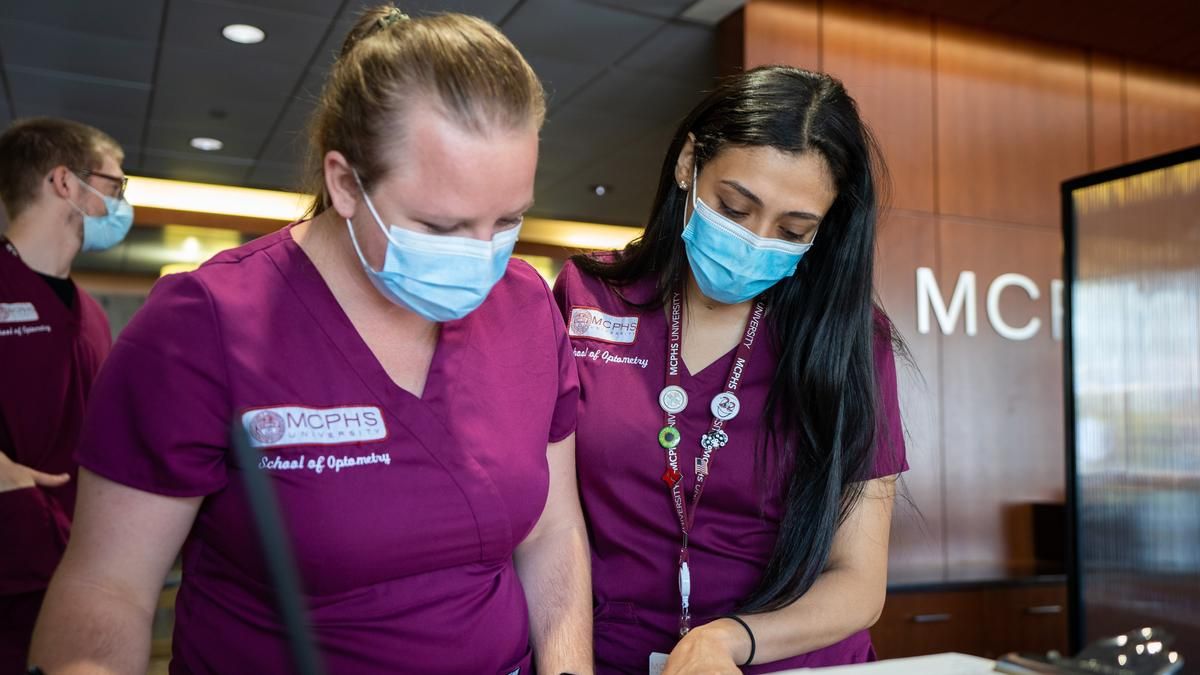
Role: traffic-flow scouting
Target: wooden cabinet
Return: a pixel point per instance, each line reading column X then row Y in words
column 982, row 621
column 1031, row 619
column 929, row 623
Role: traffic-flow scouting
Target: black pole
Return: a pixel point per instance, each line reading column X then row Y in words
column 281, row 564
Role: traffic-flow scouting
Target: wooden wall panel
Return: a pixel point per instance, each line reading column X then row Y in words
column 1011, row 125
column 1002, row 410
column 885, row 59
column 782, row 32
column 1106, row 85
column 906, row 242
column 1162, row 109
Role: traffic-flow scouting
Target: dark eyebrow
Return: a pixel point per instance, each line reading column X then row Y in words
column 745, row 193
column 803, row 215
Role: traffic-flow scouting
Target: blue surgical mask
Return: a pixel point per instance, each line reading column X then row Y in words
column 730, row 263
column 439, row 277
column 101, row 233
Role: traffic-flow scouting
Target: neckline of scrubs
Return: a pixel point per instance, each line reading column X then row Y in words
column 46, row 300
column 703, row 378
column 321, row 302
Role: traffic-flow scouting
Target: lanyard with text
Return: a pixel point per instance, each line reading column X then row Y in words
column 724, row 407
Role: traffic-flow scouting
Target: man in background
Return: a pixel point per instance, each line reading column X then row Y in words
column 63, row 192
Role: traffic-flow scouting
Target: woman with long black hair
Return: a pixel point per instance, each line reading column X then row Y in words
column 739, row 434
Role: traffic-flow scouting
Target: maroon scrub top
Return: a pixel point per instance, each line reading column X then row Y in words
column 404, row 512
column 634, row 531
column 49, row 356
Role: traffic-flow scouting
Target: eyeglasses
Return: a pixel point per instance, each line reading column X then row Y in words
column 122, row 181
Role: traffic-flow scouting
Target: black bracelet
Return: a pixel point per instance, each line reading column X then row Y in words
column 734, row 617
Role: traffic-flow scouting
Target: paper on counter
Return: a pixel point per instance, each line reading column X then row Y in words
column 934, row 664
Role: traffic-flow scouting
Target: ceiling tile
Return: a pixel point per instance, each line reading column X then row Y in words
column 681, row 52
column 184, row 166
column 238, row 141
column 50, row 90
column 576, row 127
column 193, row 83
column 276, row 176
column 639, row 96
column 321, row 9
column 134, row 20
column 116, row 110
column 627, row 204
column 630, row 172
column 556, row 162
column 194, row 27
column 661, row 8
column 710, row 12
column 562, row 79
column 492, row 10
column 572, row 30
column 77, row 52
column 289, row 141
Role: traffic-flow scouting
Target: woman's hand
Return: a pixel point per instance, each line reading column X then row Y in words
column 712, row 649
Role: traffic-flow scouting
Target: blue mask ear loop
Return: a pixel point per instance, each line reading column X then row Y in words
column 371, row 207
column 691, row 193
column 79, row 208
column 378, row 221
column 695, row 179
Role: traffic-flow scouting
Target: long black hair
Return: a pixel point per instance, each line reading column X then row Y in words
column 818, row 434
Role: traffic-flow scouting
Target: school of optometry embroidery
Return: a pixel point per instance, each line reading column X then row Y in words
column 725, row 406
column 608, row 357
column 282, row 426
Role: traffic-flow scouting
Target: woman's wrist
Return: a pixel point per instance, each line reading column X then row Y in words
column 733, row 637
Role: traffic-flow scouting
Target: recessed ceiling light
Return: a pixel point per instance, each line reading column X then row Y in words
column 243, row 34
column 207, row 144
column 600, row 190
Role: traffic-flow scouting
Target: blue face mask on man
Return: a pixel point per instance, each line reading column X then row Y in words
column 101, row 233
column 730, row 263
column 439, row 277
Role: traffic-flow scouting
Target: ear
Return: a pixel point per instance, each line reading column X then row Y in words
column 61, row 180
column 340, row 185
column 683, row 165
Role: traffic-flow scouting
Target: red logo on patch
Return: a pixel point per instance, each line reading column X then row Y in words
column 580, row 321
column 267, row 427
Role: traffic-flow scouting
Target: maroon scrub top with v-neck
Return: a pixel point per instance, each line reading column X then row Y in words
column 404, row 512
column 621, row 354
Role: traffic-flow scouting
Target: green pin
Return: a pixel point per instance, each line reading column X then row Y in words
column 669, row 437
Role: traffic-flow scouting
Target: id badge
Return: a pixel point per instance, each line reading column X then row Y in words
column 658, row 663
